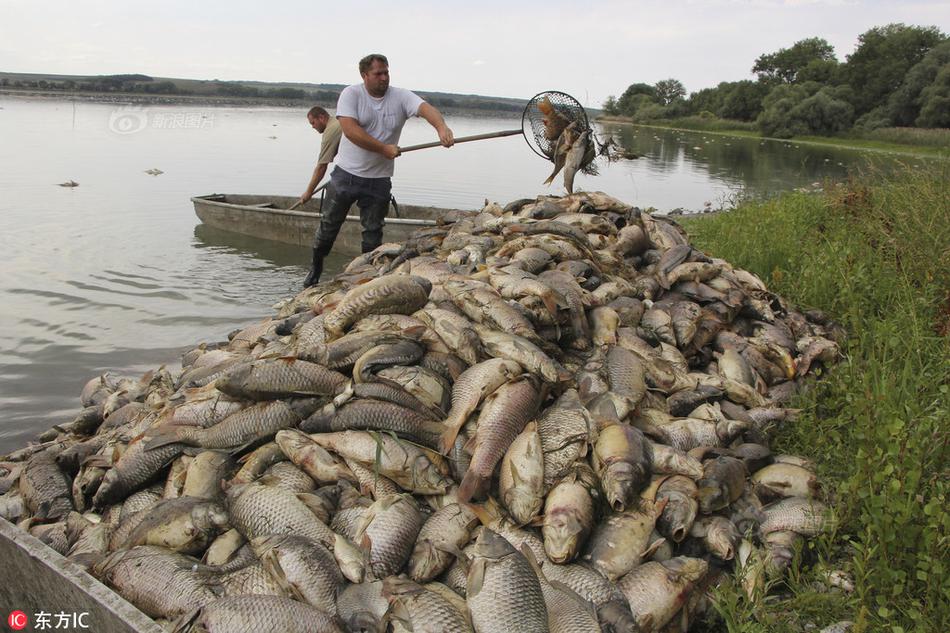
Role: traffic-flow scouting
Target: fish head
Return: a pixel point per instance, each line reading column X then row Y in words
column 365, row 622
column 622, row 480
column 235, row 378
column 430, row 474
column 686, row 568
column 677, row 518
column 424, row 561
column 712, row 498
column 562, row 535
column 615, row 617
column 492, row 545
column 522, row 503
column 292, row 441
column 212, row 517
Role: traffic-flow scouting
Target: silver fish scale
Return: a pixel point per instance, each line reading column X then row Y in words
column 371, row 482
column 388, row 294
column 305, row 564
column 362, row 606
column 431, row 613
column 346, row 522
column 796, row 514
column 510, row 598
column 256, row 421
column 134, row 468
column 262, row 380
column 374, row 415
column 450, row 526
column 565, row 430
column 143, row 575
column 46, row 490
column 504, row 415
column 253, row 614
column 567, row 612
column 263, row 510
column 205, row 412
column 251, row 580
column 392, row 533
column 587, row 583
column 688, row 434
column 287, row 476
column 626, row 374
column 312, row 339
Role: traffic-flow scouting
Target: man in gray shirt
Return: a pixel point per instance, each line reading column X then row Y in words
column 372, row 115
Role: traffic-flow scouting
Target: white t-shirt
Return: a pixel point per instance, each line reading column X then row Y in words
column 382, row 119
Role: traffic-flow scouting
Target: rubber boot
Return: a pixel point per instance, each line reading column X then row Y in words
column 316, row 269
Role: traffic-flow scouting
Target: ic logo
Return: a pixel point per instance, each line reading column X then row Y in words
column 17, row 620
column 128, row 120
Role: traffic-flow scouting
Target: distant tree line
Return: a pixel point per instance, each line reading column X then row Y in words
column 898, row 76
column 143, row 84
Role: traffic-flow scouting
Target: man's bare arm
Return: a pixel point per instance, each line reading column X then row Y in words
column 318, row 173
column 434, row 117
column 359, row 137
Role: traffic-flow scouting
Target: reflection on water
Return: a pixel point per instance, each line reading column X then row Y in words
column 273, row 253
column 118, row 274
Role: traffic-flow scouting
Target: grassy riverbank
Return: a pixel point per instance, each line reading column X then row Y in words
column 875, row 255
column 911, row 142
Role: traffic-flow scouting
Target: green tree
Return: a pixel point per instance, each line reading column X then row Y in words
column 742, row 100
column 669, row 90
column 708, row 99
column 610, row 106
column 776, row 117
column 824, row 113
column 784, row 65
column 634, row 96
column 935, row 101
column 884, row 56
column 904, row 105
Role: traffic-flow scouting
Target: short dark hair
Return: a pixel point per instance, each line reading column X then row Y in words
column 367, row 61
column 316, row 111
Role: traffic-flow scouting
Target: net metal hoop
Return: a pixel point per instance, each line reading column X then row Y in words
column 532, row 120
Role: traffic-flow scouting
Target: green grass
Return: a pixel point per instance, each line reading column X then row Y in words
column 875, row 254
column 906, row 141
column 939, row 137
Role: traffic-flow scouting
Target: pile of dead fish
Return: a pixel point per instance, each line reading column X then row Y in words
column 548, row 416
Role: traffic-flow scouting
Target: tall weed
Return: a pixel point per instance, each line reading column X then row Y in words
column 874, row 253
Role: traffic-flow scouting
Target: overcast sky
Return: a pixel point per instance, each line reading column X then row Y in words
column 502, row 48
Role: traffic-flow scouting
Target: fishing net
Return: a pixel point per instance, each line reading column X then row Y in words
column 547, row 115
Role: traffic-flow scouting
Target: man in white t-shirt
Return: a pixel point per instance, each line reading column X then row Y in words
column 372, row 115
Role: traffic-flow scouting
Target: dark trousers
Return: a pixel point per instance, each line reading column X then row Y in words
column 371, row 196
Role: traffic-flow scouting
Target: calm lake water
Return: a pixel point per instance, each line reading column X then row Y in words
column 118, row 275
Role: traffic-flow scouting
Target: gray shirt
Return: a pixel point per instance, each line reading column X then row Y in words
column 382, row 118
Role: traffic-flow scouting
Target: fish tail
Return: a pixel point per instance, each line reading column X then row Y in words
column 165, row 436
column 472, row 485
column 452, row 428
column 550, row 302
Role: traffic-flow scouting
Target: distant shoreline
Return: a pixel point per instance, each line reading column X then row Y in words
column 208, row 100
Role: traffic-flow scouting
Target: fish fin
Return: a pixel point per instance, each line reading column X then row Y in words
column 550, row 303
column 528, row 554
column 447, row 441
column 649, row 551
column 476, row 578
column 163, row 437
column 484, row 515
column 98, row 461
column 184, row 623
column 537, row 521
column 472, row 485
column 470, row 444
